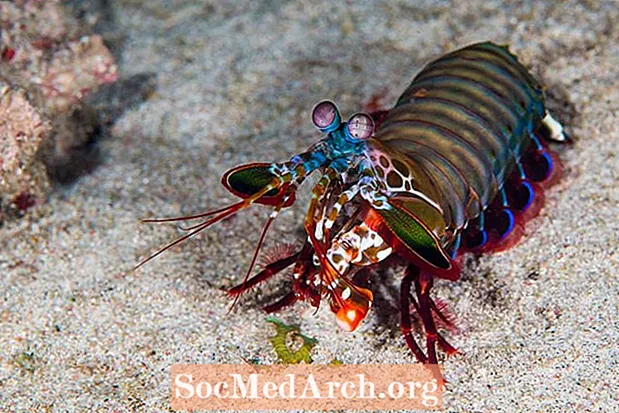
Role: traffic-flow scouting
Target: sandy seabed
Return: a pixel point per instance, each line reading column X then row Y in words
column 235, row 81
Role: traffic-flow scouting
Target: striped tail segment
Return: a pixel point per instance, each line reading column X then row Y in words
column 474, row 122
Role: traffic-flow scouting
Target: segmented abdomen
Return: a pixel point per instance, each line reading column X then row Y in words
column 462, row 126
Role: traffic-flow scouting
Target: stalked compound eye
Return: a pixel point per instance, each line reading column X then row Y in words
column 326, row 117
column 360, row 126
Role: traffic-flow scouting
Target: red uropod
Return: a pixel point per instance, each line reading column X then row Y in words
column 458, row 164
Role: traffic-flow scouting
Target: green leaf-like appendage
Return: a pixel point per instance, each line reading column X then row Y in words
column 415, row 236
column 246, row 180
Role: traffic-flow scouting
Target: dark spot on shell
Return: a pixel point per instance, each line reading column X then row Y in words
column 407, row 185
column 400, row 167
column 384, row 161
column 394, row 179
column 380, row 172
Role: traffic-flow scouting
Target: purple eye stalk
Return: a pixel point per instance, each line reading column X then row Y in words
column 326, row 118
column 360, row 126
